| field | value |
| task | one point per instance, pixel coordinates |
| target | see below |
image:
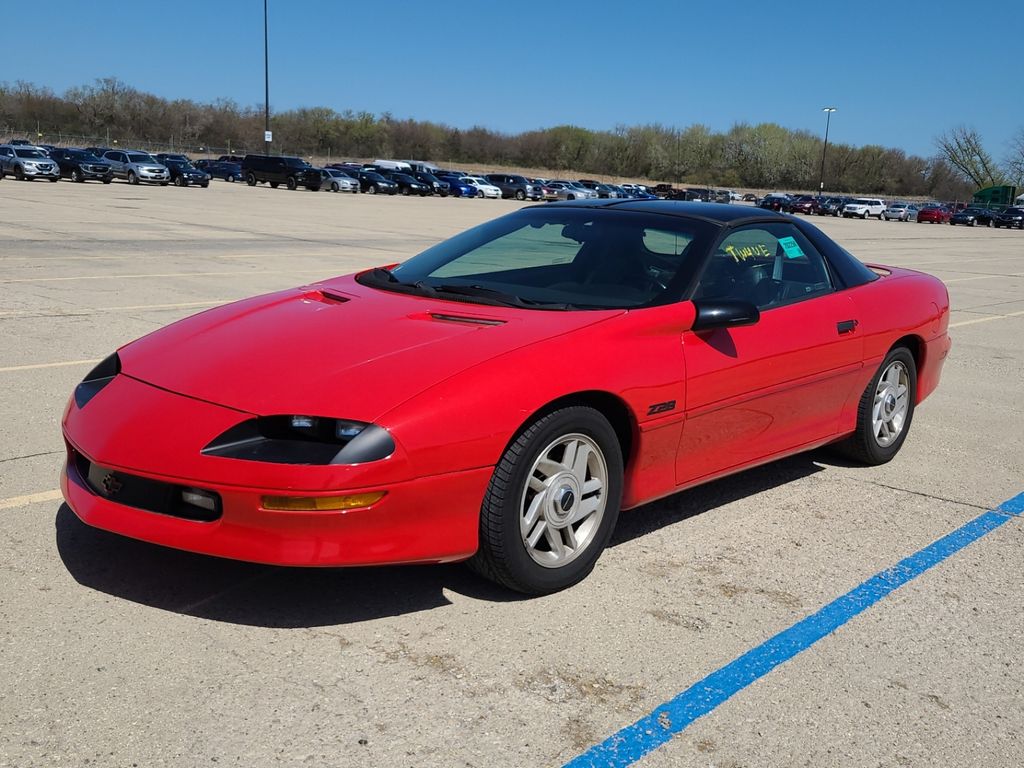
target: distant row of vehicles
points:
(873, 207)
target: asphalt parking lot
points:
(118, 653)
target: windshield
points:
(29, 153)
(558, 259)
(139, 157)
(81, 154)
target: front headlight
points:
(97, 379)
(298, 439)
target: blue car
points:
(458, 188)
(225, 170)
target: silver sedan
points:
(333, 180)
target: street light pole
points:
(266, 84)
(828, 118)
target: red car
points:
(501, 396)
(934, 214)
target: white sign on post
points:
(268, 136)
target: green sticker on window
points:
(789, 245)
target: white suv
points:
(864, 207)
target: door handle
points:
(846, 326)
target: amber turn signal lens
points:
(321, 503)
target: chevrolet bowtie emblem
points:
(111, 485)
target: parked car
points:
(602, 189)
(372, 183)
(457, 187)
(806, 204)
(135, 167)
(774, 202)
(293, 172)
(1010, 218)
(163, 157)
(81, 165)
(436, 185)
(230, 159)
(864, 207)
(26, 163)
(333, 180)
(278, 447)
(483, 187)
(513, 185)
(407, 185)
(934, 214)
(184, 174)
(900, 212)
(98, 151)
(574, 190)
(971, 217)
(832, 206)
(225, 170)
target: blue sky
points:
(899, 73)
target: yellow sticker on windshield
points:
(745, 252)
(790, 247)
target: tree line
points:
(762, 156)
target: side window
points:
(768, 265)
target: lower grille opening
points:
(143, 493)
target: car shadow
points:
(269, 596)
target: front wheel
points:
(552, 503)
(520, 195)
(372, 189)
(179, 181)
(291, 183)
(132, 178)
(885, 411)
(250, 179)
(76, 176)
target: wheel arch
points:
(613, 408)
(916, 345)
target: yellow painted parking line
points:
(986, 319)
(94, 310)
(163, 274)
(981, 277)
(31, 498)
(37, 366)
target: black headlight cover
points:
(97, 379)
(273, 439)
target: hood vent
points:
(326, 294)
(466, 319)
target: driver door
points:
(757, 391)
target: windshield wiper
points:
(499, 297)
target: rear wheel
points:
(885, 411)
(250, 179)
(552, 503)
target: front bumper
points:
(39, 173)
(150, 441)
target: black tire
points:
(179, 181)
(862, 445)
(335, 187)
(250, 179)
(19, 173)
(205, 184)
(479, 193)
(164, 183)
(132, 178)
(372, 189)
(503, 555)
(76, 176)
(405, 191)
(231, 178)
(108, 179)
(570, 197)
(520, 195)
(291, 183)
(54, 180)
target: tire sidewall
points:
(530, 576)
(878, 453)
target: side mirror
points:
(724, 313)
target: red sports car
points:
(501, 396)
(934, 214)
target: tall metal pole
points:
(828, 118)
(266, 82)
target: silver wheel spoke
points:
(569, 457)
(579, 466)
(532, 514)
(554, 537)
(570, 538)
(536, 534)
(586, 508)
(536, 484)
(592, 485)
(547, 467)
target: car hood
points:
(334, 349)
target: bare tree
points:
(961, 147)
(1015, 160)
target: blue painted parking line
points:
(650, 732)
